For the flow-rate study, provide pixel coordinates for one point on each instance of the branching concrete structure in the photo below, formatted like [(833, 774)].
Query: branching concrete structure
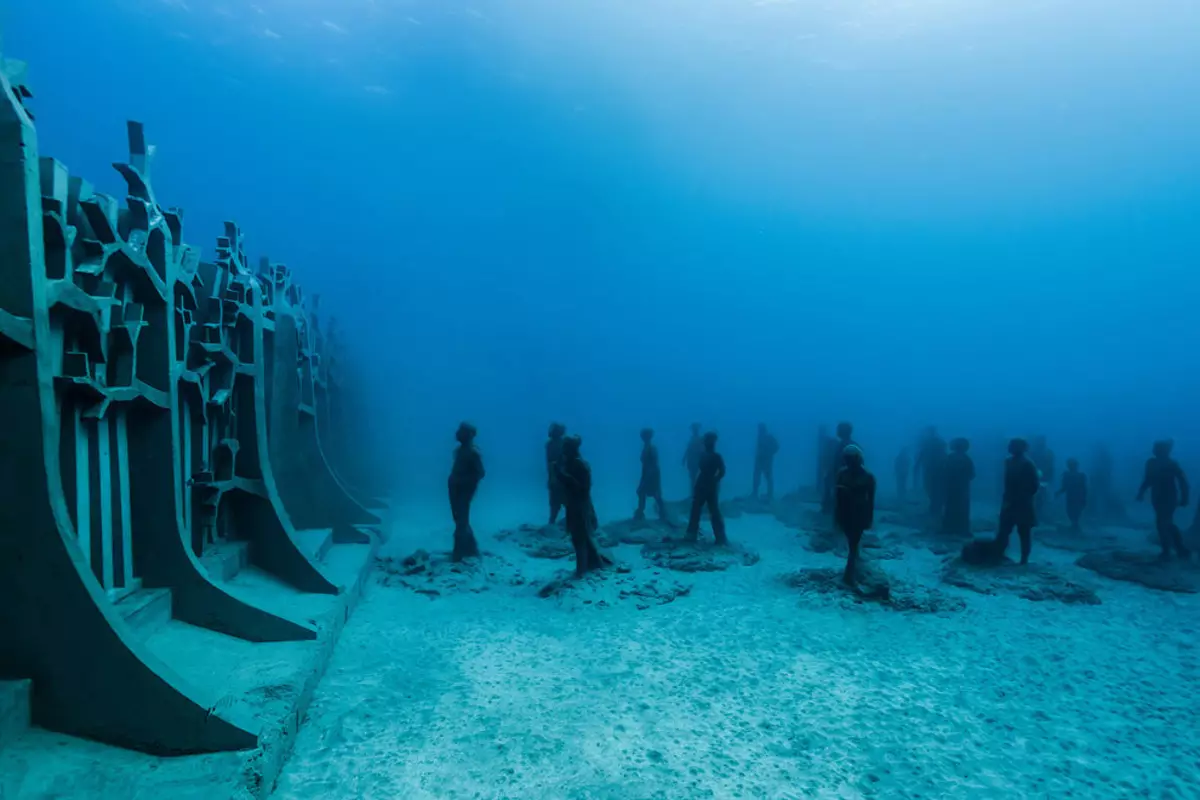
[(161, 423)]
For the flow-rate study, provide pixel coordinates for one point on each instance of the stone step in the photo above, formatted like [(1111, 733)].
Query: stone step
[(147, 610), (226, 559), (14, 709), (315, 542)]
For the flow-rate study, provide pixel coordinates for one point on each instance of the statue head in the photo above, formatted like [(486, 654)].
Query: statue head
[(466, 433), (1018, 446), (960, 445), (1163, 448), (762, 429), (647, 435), (844, 430), (853, 456), (695, 429), (710, 441), (1073, 465), (571, 445), (557, 429)]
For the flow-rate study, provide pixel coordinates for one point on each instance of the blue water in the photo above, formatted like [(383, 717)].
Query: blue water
[(618, 214)]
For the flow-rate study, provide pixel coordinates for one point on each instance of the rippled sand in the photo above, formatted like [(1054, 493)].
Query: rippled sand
[(745, 689)]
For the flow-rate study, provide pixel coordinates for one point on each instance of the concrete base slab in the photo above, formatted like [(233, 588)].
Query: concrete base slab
[(14, 710), (274, 682), (225, 560)]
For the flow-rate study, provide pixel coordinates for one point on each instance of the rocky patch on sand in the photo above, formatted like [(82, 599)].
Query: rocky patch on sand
[(637, 531), (1036, 582), (540, 541), (436, 575), (872, 585), (1146, 569), (609, 587), (683, 555), (1063, 538)]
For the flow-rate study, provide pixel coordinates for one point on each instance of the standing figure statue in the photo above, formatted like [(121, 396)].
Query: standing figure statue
[(1168, 489), (691, 456), (651, 482), (575, 475), (930, 467), (834, 464), (707, 491), (554, 449), (1043, 458), (1017, 509), (958, 473), (465, 475), (854, 506), (1108, 505), (1075, 487), (764, 461), (902, 466)]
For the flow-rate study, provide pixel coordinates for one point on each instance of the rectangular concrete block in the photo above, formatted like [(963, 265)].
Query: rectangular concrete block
[(14, 709), (147, 610), (315, 542), (224, 561)]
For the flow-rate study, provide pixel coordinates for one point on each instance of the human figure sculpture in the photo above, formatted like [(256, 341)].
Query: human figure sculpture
[(575, 476), (854, 505), (465, 475), (693, 454), (1075, 487), (1168, 488), (1043, 458), (1017, 509), (930, 466), (764, 461), (650, 484), (958, 472), (845, 432), (554, 448), (902, 466), (707, 491)]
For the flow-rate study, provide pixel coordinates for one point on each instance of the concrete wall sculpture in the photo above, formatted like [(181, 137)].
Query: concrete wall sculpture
[(152, 406)]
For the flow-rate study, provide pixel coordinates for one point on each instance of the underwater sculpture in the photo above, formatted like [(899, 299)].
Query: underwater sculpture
[(693, 454), (1108, 504), (554, 450), (765, 449), (834, 462), (135, 450), (1043, 458), (465, 475), (575, 474), (958, 472), (1017, 509), (706, 491), (650, 484), (854, 505), (901, 467), (1168, 488), (1075, 487), (930, 466)]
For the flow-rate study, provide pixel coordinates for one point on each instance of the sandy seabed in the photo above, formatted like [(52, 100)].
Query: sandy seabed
[(744, 688)]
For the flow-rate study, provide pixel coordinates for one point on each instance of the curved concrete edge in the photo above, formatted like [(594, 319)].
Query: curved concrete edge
[(273, 545)]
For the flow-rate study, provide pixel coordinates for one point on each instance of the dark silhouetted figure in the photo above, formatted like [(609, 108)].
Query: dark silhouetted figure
[(1075, 487), (1168, 488), (902, 466), (1108, 504), (651, 482), (575, 476), (834, 464), (707, 491), (958, 472), (1043, 458), (554, 449), (693, 454), (764, 461), (854, 505), (1017, 509), (931, 467), (465, 475)]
